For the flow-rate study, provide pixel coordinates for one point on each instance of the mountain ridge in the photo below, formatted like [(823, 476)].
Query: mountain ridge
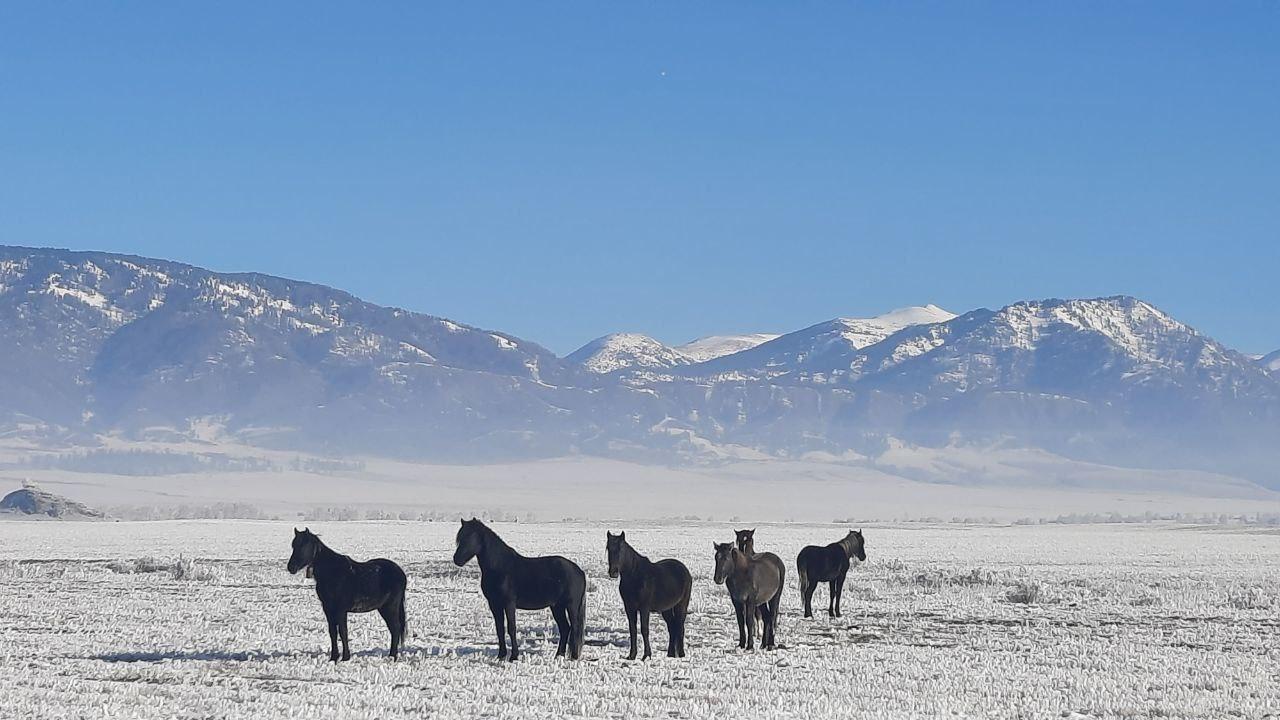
[(101, 343)]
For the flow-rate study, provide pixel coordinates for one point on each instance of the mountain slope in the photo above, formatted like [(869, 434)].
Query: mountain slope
[(121, 342), (822, 347), (1271, 362)]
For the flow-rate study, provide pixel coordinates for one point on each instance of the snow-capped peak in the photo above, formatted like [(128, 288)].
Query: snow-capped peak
[(622, 350), (908, 316), (714, 346), (861, 332)]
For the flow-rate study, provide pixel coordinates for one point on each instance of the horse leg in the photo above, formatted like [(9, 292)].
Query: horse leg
[(682, 616), (775, 612), (390, 615), (561, 614), (669, 617), (342, 629), (767, 633), (511, 630), (644, 630), (499, 623), (806, 594), (753, 614), (633, 618), (742, 630), (839, 594), (332, 619)]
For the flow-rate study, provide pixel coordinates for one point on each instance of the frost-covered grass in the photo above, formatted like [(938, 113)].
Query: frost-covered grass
[(200, 619)]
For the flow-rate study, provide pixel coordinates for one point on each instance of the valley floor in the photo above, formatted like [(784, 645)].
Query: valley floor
[(200, 619)]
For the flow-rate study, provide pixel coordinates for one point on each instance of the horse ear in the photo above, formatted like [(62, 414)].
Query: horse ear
[(296, 531), (622, 535)]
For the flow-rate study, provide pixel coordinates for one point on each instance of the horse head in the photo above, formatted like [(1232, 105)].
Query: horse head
[(613, 546), (470, 540), (305, 546), (724, 561), (854, 545)]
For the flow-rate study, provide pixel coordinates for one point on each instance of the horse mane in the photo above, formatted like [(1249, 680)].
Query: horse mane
[(488, 535)]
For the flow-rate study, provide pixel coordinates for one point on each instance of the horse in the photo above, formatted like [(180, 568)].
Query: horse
[(346, 586), (647, 586), (511, 581), (829, 563), (754, 584), (745, 540)]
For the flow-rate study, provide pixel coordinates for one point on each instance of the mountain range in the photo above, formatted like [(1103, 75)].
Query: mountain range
[(100, 344)]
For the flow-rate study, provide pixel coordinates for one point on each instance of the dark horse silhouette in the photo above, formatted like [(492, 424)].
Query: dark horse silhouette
[(647, 586), (829, 563), (755, 587), (346, 586), (511, 581)]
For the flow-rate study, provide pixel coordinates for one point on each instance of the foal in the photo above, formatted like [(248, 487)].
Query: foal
[(646, 586), (829, 564), (510, 580), (346, 586), (755, 587)]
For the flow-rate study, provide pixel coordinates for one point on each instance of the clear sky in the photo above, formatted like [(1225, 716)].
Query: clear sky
[(562, 170)]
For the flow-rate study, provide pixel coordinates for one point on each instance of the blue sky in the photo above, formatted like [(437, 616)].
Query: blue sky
[(563, 170)]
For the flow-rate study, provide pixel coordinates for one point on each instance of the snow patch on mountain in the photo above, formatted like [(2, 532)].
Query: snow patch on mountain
[(626, 350), (1270, 363), (824, 347), (710, 348)]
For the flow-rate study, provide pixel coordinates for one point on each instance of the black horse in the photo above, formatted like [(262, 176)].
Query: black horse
[(829, 564), (755, 588), (511, 581), (346, 586), (647, 586)]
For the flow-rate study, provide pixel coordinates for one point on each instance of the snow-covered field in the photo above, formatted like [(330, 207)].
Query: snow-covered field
[(200, 619)]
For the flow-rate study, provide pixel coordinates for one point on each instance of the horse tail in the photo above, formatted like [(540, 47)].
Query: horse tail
[(579, 628), (404, 622), (803, 574), (777, 599)]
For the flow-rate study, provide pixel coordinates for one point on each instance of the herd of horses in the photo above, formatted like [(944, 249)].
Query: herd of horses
[(510, 581)]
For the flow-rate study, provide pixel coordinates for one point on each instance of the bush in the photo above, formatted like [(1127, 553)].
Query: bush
[(1025, 592), (181, 569)]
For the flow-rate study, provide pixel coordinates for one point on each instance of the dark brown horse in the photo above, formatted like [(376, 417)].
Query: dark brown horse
[(830, 564), (646, 587), (746, 542), (511, 581), (755, 588), (346, 586)]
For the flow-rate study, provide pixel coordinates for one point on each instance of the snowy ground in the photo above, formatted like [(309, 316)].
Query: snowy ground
[(101, 620)]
